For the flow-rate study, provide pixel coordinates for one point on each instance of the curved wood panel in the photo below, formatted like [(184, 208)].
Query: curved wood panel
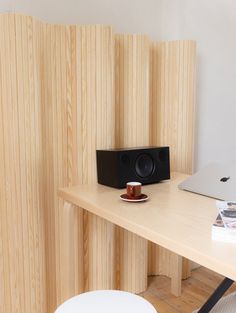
[(59, 103), (95, 129), (71, 256), (132, 130), (22, 255), (172, 92), (132, 90), (133, 262), (58, 126), (99, 253), (36, 106), (173, 100)]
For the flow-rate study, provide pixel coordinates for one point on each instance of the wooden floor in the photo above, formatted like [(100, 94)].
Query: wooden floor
[(195, 291)]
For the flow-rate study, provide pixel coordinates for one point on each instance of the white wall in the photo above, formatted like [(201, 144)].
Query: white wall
[(211, 22)]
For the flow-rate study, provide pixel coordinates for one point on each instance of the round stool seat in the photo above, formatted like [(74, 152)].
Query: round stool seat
[(106, 301)]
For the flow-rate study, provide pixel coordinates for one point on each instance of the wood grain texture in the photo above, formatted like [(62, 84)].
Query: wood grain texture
[(132, 130), (95, 96), (133, 262), (176, 275), (177, 220), (95, 129), (99, 253), (195, 291), (57, 131), (132, 90), (66, 91), (71, 247), (36, 110), (22, 255), (172, 106), (172, 95)]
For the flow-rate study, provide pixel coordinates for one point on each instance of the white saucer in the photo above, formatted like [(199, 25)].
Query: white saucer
[(142, 198)]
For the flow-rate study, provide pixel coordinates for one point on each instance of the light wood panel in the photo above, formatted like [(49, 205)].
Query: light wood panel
[(133, 262), (71, 277), (173, 100), (172, 93), (99, 253), (95, 129), (70, 236), (36, 109), (22, 255), (132, 90), (58, 102), (132, 130), (95, 96)]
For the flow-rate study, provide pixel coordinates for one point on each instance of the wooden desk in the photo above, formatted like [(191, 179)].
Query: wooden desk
[(177, 220)]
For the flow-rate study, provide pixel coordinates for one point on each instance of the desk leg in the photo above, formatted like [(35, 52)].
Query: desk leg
[(176, 275), (164, 262), (133, 262), (215, 297), (99, 253), (70, 242)]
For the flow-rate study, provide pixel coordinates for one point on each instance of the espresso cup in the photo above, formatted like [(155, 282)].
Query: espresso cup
[(133, 189)]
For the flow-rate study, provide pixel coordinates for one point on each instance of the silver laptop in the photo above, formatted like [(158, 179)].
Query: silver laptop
[(215, 180)]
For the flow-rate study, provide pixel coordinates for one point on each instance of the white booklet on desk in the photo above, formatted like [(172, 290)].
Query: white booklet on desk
[(224, 227)]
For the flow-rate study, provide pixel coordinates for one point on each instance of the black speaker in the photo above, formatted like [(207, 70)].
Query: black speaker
[(146, 165)]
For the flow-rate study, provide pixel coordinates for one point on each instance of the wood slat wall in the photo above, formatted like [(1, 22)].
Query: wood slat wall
[(64, 92), (71, 228), (57, 133), (95, 130), (172, 105), (172, 93), (132, 90), (54, 125), (132, 130), (22, 248)]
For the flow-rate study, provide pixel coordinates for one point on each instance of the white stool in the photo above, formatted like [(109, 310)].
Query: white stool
[(106, 301)]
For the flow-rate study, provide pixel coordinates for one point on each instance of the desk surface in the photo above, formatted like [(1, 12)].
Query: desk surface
[(178, 220)]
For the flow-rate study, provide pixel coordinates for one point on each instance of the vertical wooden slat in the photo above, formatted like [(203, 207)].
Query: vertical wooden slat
[(71, 276), (95, 125), (172, 93), (59, 148), (5, 34), (4, 299), (37, 44), (132, 130), (30, 150), (173, 99), (132, 90), (47, 141), (24, 283)]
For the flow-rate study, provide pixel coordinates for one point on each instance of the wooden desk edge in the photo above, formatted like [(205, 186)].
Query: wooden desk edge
[(149, 235)]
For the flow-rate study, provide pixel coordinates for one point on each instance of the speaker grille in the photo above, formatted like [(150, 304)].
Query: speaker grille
[(125, 159), (144, 165)]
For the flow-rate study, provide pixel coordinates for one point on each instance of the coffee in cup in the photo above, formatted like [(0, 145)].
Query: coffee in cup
[(133, 189)]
